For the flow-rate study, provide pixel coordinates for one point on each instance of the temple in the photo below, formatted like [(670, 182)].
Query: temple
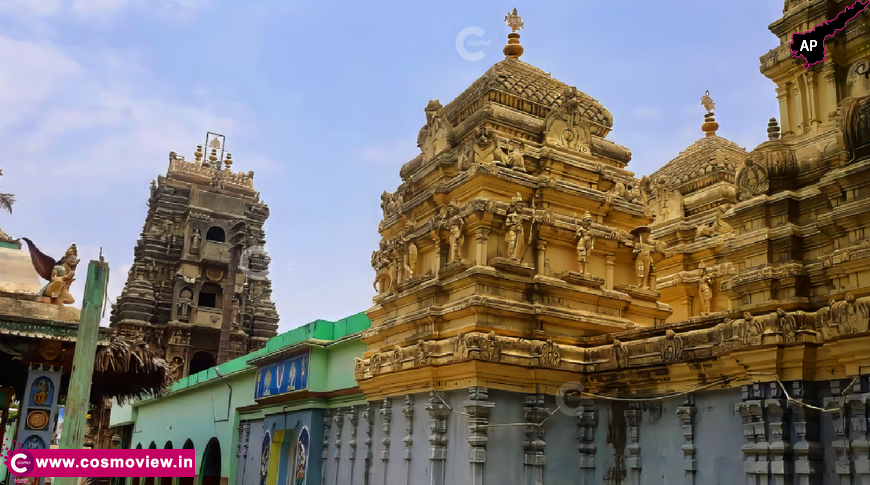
[(194, 289), (542, 313)]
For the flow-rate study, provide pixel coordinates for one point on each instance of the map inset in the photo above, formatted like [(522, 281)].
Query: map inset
[(810, 45)]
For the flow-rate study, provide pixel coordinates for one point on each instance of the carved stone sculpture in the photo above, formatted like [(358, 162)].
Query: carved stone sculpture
[(456, 237), (715, 228), (60, 274), (185, 303), (483, 150), (514, 222), (705, 290), (751, 180), (585, 241), (643, 254), (855, 124), (668, 203), (671, 347), (514, 159), (565, 126), (432, 138), (195, 241)]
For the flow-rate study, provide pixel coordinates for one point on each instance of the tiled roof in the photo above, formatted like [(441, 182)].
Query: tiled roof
[(525, 81), (708, 156)]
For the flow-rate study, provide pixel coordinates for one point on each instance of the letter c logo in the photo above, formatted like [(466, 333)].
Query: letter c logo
[(21, 463), (460, 43)]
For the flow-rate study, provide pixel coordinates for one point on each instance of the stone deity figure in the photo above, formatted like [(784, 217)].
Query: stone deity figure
[(62, 276), (412, 259), (514, 159), (456, 237), (185, 302), (787, 324), (195, 241), (705, 289), (643, 262), (514, 235), (585, 241)]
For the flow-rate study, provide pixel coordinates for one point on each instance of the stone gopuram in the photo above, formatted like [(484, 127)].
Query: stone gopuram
[(543, 313), (194, 278)]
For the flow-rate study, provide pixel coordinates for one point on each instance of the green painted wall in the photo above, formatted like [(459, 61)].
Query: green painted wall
[(197, 413)]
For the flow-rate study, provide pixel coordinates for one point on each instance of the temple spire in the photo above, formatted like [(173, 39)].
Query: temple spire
[(513, 49)]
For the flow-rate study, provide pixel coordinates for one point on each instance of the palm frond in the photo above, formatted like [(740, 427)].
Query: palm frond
[(6, 201)]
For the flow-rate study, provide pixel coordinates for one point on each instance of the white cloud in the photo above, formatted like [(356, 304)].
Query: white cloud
[(89, 9)]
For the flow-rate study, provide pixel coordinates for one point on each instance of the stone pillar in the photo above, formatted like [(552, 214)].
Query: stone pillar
[(481, 237), (541, 257), (610, 261), (808, 452), (386, 413), (368, 416), (780, 448), (633, 462), (478, 409), (842, 467), (408, 440), (798, 108), (784, 115), (438, 413), (755, 463), (830, 95), (338, 423), (812, 109), (534, 411), (327, 425), (686, 413), (588, 420), (353, 418)]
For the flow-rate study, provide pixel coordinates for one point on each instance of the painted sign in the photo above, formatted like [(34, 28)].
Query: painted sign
[(301, 464), (41, 392), (264, 457), (39, 408), (281, 377)]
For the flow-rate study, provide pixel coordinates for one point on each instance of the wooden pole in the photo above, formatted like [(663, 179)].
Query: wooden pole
[(78, 396)]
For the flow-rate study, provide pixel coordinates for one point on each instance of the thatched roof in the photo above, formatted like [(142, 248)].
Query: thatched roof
[(128, 371)]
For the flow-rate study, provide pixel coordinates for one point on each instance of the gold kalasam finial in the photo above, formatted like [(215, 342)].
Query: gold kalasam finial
[(228, 161), (710, 126), (514, 21), (708, 103), (513, 49)]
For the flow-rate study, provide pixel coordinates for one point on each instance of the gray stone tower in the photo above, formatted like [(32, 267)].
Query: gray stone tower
[(186, 284)]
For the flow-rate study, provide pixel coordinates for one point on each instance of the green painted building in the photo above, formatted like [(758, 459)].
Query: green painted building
[(252, 420)]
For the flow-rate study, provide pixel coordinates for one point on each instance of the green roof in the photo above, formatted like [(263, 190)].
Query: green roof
[(318, 329)]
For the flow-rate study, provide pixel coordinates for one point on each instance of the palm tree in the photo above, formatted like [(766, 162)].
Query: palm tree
[(6, 200)]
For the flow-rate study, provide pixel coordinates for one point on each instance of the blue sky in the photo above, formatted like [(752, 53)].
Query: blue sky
[(323, 101)]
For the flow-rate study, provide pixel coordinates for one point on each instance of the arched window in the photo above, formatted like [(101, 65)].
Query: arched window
[(216, 234), (210, 296), (166, 480), (188, 445), (211, 463), (201, 361)]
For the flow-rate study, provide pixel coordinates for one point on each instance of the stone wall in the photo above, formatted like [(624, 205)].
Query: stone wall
[(749, 434)]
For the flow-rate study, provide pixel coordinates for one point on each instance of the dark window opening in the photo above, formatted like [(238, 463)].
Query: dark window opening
[(215, 234), (201, 361), (208, 300)]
